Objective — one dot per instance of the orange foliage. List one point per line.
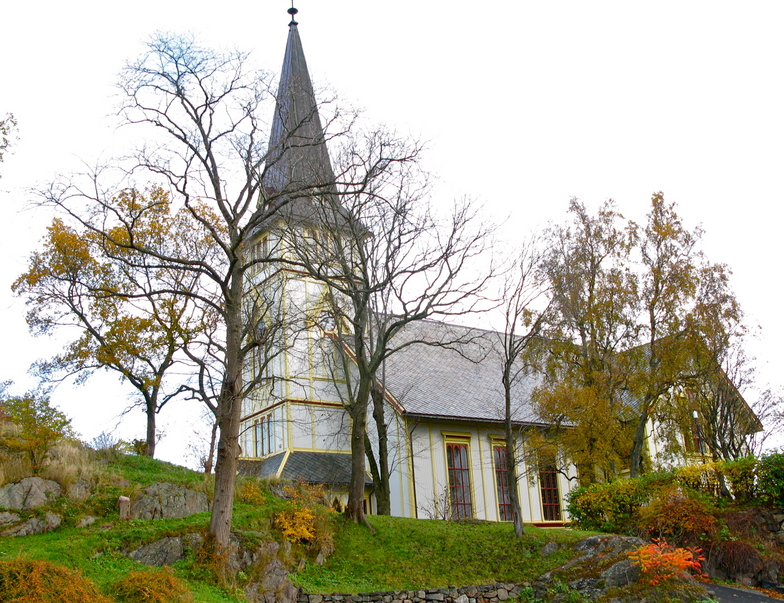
(660, 561)
(152, 586)
(35, 581)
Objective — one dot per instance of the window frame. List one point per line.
(501, 473)
(459, 483)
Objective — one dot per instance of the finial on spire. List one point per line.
(292, 11)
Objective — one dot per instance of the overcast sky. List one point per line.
(523, 105)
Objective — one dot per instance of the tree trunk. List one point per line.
(228, 418)
(382, 490)
(356, 495)
(211, 453)
(511, 482)
(511, 459)
(639, 441)
(149, 448)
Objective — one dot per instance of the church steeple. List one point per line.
(298, 157)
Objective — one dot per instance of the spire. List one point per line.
(298, 155)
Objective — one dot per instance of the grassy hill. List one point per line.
(402, 554)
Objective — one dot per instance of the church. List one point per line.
(443, 407)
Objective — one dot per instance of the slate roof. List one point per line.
(310, 467)
(439, 381)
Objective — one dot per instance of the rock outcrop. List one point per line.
(167, 501)
(30, 493)
(35, 525)
(166, 551)
(604, 565)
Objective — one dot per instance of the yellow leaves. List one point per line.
(595, 433)
(297, 525)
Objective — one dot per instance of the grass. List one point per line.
(408, 554)
(402, 554)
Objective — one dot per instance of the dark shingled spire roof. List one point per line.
(298, 157)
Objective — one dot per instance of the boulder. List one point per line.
(35, 525)
(30, 493)
(166, 551)
(6, 518)
(621, 574)
(167, 501)
(79, 490)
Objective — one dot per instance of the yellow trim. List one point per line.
(312, 414)
(496, 442)
(330, 450)
(483, 474)
(433, 473)
(279, 472)
(409, 442)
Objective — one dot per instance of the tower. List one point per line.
(293, 422)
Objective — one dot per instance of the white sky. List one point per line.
(523, 104)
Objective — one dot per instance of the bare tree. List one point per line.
(201, 113)
(7, 134)
(387, 260)
(526, 304)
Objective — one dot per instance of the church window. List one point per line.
(263, 436)
(548, 487)
(459, 480)
(257, 438)
(501, 483)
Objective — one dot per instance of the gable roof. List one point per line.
(438, 381)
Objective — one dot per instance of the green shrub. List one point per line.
(770, 478)
(33, 427)
(35, 581)
(151, 586)
(614, 506)
(741, 477)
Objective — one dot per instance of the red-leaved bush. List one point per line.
(660, 561)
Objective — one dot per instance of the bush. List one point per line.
(741, 475)
(736, 557)
(25, 581)
(661, 562)
(680, 515)
(151, 586)
(308, 521)
(32, 427)
(770, 478)
(706, 477)
(614, 506)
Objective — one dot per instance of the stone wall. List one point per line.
(488, 593)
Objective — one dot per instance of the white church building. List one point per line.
(443, 409)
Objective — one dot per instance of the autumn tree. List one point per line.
(688, 316)
(594, 293)
(125, 321)
(30, 426)
(647, 317)
(387, 259)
